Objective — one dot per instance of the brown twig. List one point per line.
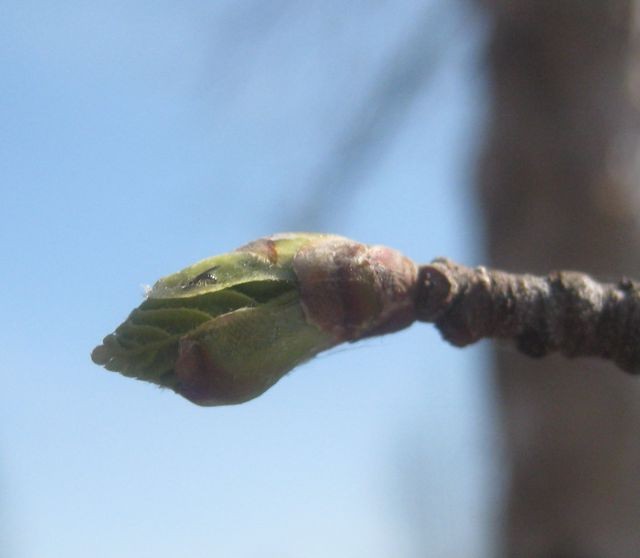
(565, 311)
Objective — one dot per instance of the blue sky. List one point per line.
(138, 138)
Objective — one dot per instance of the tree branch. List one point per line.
(227, 328)
(565, 311)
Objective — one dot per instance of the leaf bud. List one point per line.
(227, 328)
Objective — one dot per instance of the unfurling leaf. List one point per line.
(227, 328)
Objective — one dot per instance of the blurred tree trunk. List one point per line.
(555, 182)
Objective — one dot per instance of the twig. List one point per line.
(565, 311)
(227, 328)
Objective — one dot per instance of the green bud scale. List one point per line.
(227, 328)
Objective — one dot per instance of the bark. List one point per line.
(565, 311)
(555, 187)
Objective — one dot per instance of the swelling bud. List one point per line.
(227, 328)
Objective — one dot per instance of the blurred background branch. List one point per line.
(382, 112)
(559, 169)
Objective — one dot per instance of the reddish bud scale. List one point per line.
(353, 290)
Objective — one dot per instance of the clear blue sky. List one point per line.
(136, 138)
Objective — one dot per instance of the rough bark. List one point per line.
(566, 311)
(555, 188)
